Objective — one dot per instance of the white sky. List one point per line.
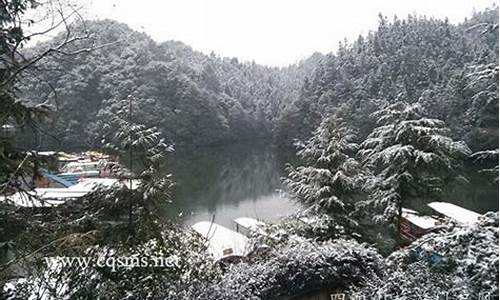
(272, 32)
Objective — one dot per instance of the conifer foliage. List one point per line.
(141, 149)
(409, 156)
(329, 179)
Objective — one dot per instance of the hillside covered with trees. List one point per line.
(450, 70)
(195, 99)
(407, 114)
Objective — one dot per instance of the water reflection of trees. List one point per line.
(478, 193)
(224, 175)
(211, 177)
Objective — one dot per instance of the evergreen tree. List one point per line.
(417, 60)
(410, 156)
(141, 149)
(124, 222)
(329, 179)
(482, 114)
(14, 113)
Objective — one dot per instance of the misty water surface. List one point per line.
(229, 182)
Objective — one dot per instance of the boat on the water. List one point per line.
(247, 226)
(413, 225)
(454, 212)
(225, 245)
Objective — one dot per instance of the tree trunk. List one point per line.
(398, 224)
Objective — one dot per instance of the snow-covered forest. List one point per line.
(406, 113)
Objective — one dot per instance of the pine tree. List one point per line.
(329, 179)
(482, 114)
(141, 149)
(410, 156)
(117, 222)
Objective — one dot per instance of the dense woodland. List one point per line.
(197, 99)
(193, 98)
(406, 112)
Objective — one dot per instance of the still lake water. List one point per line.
(228, 182)
(243, 180)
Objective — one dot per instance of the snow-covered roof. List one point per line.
(48, 197)
(83, 162)
(424, 222)
(222, 242)
(90, 173)
(455, 212)
(59, 193)
(307, 220)
(88, 184)
(45, 197)
(46, 153)
(410, 211)
(249, 223)
(23, 199)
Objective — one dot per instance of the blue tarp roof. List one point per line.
(65, 180)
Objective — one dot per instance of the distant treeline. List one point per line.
(193, 98)
(198, 99)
